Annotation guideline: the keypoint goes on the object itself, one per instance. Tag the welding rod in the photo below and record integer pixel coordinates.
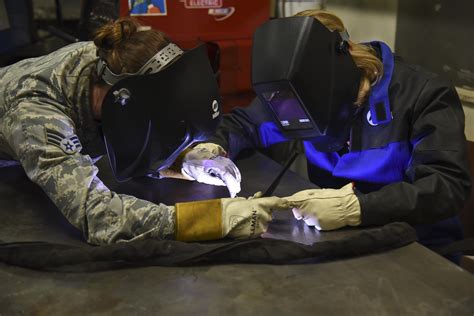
(286, 166)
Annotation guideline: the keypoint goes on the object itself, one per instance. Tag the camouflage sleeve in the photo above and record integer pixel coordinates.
(44, 141)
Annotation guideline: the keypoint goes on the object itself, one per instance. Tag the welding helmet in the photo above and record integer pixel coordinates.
(304, 74)
(150, 117)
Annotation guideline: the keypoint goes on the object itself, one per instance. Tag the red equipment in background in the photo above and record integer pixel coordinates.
(226, 26)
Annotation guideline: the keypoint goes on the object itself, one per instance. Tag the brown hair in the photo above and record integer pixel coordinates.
(364, 56)
(125, 46)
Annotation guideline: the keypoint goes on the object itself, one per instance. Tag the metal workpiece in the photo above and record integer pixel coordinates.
(411, 280)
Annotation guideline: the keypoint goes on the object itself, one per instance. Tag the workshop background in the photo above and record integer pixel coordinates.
(436, 34)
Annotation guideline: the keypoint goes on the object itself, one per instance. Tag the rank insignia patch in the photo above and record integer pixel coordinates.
(69, 144)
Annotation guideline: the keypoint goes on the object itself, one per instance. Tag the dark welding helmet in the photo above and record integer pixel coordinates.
(304, 73)
(149, 119)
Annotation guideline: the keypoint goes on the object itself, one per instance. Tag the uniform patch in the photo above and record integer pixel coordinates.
(69, 144)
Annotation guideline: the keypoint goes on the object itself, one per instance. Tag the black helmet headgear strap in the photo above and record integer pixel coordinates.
(157, 62)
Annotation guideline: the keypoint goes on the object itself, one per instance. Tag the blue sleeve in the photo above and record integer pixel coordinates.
(250, 127)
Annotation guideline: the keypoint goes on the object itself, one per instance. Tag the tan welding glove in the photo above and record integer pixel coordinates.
(206, 163)
(326, 209)
(237, 218)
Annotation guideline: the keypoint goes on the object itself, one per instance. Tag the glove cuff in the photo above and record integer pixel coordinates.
(201, 220)
(352, 214)
(215, 149)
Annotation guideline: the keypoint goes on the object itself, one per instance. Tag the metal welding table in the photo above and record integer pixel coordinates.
(411, 280)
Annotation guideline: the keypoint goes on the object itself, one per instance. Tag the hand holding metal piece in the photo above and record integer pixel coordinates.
(204, 165)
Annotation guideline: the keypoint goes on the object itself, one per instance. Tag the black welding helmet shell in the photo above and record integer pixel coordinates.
(305, 75)
(148, 120)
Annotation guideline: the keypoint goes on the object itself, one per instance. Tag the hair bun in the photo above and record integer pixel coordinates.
(128, 27)
(112, 34)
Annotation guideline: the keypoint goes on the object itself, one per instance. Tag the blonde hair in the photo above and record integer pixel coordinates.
(126, 45)
(364, 56)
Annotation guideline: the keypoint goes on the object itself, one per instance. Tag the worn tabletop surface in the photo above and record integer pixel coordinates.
(411, 280)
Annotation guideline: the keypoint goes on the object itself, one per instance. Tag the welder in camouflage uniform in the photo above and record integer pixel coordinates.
(50, 111)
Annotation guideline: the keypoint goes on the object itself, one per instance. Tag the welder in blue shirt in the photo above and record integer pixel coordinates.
(384, 140)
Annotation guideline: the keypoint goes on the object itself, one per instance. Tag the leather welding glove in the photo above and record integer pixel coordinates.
(237, 218)
(326, 209)
(206, 163)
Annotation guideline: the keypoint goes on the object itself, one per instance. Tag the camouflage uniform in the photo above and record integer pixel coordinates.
(46, 124)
